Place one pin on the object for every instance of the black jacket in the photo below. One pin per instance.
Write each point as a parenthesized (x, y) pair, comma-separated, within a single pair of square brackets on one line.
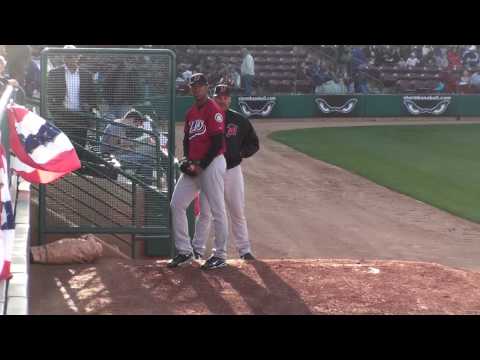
[(242, 140), (57, 89)]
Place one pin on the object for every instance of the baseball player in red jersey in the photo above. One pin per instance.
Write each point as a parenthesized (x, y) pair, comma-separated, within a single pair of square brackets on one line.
[(204, 170), (242, 142)]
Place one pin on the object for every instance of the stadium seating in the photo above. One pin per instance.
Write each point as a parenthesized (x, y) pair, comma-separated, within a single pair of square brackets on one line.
[(278, 67)]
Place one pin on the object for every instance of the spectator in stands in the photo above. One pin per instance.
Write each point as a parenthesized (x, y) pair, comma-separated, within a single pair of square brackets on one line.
[(428, 57), (230, 77), (402, 63), (471, 57), (349, 84), (465, 78), (418, 50), (453, 58), (247, 72), (33, 76), (360, 81), (181, 84), (464, 83), (71, 95), (4, 77), (413, 60), (370, 52), (126, 140), (344, 58), (187, 74), (358, 59), (405, 51), (450, 79), (18, 57), (475, 82), (321, 77), (440, 87), (427, 50), (235, 76), (391, 56), (441, 59)]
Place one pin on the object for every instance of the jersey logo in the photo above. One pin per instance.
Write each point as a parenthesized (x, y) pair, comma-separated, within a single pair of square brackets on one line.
[(326, 108), (433, 105), (232, 130), (218, 117), (262, 106), (197, 128)]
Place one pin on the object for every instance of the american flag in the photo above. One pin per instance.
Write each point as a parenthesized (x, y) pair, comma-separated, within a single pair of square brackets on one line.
[(42, 152)]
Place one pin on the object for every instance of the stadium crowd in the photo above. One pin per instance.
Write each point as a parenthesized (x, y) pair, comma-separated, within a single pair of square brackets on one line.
[(293, 69)]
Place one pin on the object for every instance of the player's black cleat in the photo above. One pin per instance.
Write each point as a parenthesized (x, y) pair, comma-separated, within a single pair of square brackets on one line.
[(214, 263), (197, 255), (247, 256), (180, 260)]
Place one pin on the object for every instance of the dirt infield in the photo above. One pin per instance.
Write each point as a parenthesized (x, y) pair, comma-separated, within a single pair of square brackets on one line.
[(267, 287), (297, 208)]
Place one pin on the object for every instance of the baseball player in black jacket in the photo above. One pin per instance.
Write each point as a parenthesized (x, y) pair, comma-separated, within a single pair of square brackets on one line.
[(242, 142)]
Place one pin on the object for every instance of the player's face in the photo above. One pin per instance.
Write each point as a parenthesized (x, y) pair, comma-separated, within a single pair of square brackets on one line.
[(199, 92), (223, 101)]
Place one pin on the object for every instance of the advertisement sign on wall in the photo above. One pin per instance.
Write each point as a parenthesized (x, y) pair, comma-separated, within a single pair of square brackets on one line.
[(427, 105), (338, 105), (256, 105)]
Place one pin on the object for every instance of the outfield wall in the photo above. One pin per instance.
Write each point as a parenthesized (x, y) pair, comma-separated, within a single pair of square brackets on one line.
[(311, 106)]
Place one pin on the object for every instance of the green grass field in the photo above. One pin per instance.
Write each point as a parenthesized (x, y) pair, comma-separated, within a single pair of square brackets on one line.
[(437, 164)]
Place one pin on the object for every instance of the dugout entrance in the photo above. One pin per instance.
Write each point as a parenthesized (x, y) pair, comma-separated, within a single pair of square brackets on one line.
[(123, 190)]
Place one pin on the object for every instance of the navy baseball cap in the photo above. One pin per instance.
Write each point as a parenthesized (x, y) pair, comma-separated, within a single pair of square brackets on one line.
[(198, 79), (222, 90)]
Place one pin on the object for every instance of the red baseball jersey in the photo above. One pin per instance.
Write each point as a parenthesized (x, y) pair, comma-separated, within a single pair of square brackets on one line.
[(200, 124)]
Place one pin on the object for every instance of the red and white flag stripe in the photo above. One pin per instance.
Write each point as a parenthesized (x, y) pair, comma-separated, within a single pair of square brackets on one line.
[(52, 155)]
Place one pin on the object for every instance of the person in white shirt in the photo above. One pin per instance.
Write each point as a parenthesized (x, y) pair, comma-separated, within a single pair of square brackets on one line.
[(247, 71), (412, 61), (71, 97), (187, 74)]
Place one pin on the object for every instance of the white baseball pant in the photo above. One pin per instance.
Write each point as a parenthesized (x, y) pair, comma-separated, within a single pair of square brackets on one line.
[(211, 183), (235, 201)]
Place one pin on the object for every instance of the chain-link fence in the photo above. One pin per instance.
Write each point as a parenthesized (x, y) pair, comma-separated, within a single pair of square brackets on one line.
[(116, 106)]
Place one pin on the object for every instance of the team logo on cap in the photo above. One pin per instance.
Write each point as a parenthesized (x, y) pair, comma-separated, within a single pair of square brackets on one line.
[(218, 117), (428, 105), (345, 108)]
